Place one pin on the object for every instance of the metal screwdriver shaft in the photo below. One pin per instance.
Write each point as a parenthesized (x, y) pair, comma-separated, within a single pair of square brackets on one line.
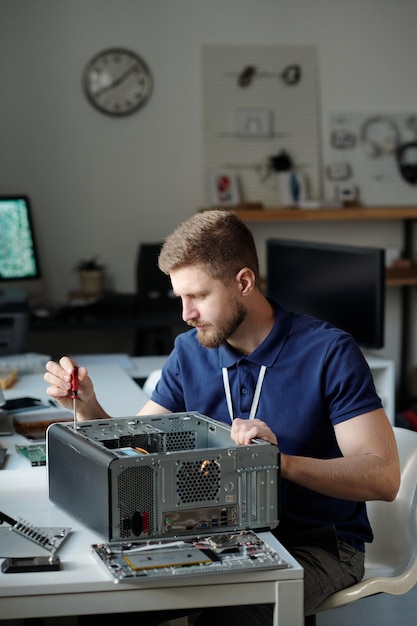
[(74, 393)]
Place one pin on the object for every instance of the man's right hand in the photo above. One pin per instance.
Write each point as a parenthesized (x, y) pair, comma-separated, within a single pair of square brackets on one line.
[(58, 376)]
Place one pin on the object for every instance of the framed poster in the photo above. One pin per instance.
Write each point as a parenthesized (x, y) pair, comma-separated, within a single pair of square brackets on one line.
[(224, 189)]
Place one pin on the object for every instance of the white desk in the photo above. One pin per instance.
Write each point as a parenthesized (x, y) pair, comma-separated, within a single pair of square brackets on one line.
[(82, 586), (135, 366), (117, 392)]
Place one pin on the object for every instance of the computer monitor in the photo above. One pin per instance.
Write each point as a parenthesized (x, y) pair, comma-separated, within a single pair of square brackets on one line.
[(18, 253), (341, 284)]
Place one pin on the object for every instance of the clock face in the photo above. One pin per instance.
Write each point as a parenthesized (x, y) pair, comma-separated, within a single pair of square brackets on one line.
[(117, 82)]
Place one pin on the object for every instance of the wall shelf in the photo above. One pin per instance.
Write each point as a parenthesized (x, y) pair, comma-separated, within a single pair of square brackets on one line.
[(358, 214), (404, 277), (394, 277)]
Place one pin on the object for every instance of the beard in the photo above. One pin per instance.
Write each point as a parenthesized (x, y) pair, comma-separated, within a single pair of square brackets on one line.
[(214, 337)]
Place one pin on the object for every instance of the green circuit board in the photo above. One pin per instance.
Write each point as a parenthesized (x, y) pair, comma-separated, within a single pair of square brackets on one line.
[(34, 452)]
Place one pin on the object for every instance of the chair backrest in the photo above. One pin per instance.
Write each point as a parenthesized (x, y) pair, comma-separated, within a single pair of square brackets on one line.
[(150, 383), (151, 283), (395, 523), (391, 560), (14, 328)]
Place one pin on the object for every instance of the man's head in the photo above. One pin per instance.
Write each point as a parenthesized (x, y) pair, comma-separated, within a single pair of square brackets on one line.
[(212, 262), (215, 240)]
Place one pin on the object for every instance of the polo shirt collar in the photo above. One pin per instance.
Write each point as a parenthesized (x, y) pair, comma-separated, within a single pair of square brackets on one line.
[(268, 351)]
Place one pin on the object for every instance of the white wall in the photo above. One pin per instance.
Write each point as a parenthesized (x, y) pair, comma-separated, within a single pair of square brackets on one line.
[(102, 185)]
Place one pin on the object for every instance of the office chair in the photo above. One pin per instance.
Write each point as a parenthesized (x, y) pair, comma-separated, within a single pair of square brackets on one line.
[(157, 310), (391, 560), (14, 325), (150, 382), (151, 283)]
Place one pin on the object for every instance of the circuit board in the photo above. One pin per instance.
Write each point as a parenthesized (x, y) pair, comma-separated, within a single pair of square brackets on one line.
[(34, 452), (241, 551)]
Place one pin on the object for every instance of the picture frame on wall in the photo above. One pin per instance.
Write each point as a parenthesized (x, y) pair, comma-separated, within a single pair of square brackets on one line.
[(224, 189)]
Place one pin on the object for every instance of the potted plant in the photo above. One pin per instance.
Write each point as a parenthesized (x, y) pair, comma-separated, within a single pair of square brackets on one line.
[(91, 274)]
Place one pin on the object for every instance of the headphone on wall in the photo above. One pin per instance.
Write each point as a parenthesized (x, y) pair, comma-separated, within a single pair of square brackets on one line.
[(390, 137), (408, 169)]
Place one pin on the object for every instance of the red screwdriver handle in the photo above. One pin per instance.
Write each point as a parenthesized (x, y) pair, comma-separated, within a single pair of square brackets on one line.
[(74, 383)]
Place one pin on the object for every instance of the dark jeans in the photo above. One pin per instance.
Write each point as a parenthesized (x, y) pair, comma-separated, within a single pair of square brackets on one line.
[(329, 565)]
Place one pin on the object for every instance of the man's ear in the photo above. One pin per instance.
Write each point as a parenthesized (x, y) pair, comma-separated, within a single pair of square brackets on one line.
[(246, 279)]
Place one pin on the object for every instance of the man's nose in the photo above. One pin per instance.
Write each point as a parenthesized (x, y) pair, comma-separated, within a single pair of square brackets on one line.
[(188, 311)]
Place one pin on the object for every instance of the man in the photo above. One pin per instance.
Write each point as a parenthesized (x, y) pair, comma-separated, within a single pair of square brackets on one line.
[(295, 381)]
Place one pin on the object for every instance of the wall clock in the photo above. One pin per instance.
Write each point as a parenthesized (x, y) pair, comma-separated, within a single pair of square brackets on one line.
[(117, 82)]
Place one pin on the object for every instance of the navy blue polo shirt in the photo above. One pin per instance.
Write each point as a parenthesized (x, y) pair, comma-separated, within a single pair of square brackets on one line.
[(316, 377)]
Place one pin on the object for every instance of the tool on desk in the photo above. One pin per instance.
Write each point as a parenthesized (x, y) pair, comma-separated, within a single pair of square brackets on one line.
[(48, 538), (74, 393), (17, 564), (26, 403)]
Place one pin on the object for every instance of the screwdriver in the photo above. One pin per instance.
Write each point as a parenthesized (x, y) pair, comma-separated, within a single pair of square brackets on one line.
[(74, 393)]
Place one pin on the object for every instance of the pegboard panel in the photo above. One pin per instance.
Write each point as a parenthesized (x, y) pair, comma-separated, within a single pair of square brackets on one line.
[(361, 149), (246, 124)]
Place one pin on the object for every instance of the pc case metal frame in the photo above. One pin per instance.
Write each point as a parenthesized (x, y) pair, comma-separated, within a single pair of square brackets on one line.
[(166, 475)]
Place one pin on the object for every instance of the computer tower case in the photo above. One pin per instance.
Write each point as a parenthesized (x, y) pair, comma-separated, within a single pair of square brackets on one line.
[(161, 475)]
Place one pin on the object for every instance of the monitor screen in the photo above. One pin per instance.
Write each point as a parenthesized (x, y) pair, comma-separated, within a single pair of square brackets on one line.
[(18, 255), (343, 285)]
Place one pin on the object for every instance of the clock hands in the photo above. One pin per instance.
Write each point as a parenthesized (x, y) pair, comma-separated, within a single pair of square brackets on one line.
[(118, 80)]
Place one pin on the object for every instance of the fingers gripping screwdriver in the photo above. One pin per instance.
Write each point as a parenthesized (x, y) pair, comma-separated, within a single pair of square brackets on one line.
[(74, 393)]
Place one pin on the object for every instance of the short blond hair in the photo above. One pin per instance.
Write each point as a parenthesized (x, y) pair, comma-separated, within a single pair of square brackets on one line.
[(216, 240)]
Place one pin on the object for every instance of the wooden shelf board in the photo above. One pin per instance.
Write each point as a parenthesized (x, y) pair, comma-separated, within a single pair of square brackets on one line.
[(395, 277), (401, 277), (342, 214)]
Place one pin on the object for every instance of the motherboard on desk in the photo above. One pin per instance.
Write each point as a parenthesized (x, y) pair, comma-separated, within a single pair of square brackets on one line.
[(218, 553)]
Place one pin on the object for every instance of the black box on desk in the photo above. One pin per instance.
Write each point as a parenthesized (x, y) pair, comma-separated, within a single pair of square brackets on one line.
[(161, 476)]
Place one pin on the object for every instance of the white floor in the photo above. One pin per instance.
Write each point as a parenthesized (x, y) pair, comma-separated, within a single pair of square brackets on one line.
[(379, 610)]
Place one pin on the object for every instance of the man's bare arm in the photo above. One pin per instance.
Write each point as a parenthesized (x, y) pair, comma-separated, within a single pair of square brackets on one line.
[(368, 470)]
